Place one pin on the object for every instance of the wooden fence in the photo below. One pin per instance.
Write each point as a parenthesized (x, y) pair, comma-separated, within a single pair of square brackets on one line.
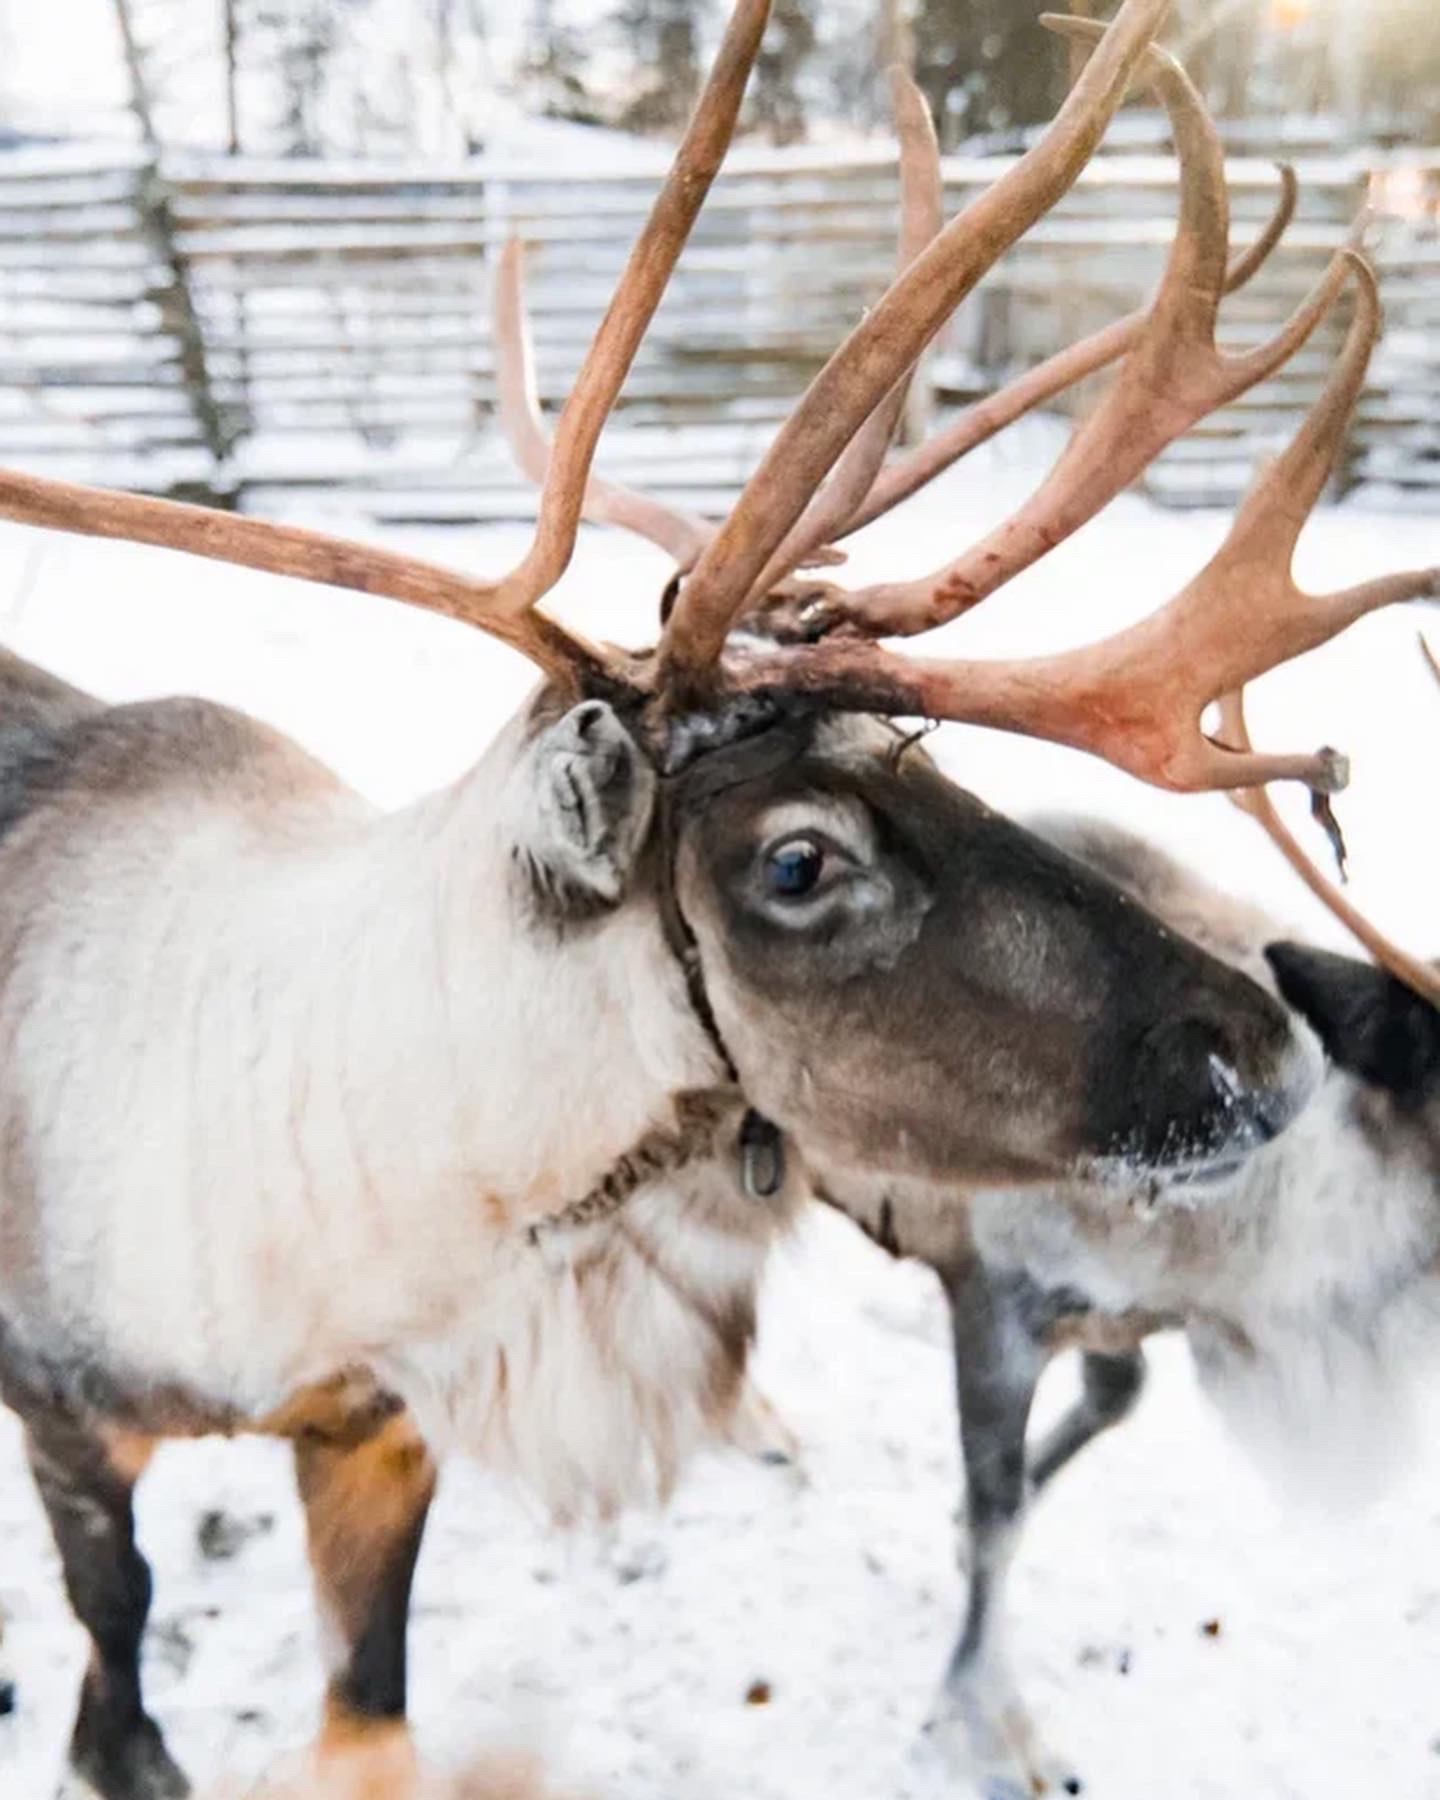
[(247, 328)]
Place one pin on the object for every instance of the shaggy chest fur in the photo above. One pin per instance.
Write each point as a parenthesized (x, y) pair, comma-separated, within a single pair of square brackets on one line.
[(287, 1092), (596, 1360)]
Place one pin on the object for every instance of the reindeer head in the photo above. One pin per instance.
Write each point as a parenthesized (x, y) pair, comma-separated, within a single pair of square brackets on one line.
[(896, 975)]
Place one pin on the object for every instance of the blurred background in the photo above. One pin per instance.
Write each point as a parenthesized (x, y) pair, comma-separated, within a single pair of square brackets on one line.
[(245, 245)]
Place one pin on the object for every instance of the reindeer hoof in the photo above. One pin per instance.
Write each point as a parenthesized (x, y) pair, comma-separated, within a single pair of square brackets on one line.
[(134, 1767), (994, 1753)]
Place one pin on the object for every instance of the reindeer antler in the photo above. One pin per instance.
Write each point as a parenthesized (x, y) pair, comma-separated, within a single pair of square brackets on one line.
[(507, 609), (831, 513), (681, 534), (1423, 977), (977, 424), (885, 346), (1173, 375), (1427, 650), (1137, 698)]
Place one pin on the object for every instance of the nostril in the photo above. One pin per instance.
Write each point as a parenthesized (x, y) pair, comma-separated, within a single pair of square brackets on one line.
[(1194, 1093)]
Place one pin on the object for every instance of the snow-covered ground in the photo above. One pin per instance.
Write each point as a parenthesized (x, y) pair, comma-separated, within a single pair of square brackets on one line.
[(630, 1662)]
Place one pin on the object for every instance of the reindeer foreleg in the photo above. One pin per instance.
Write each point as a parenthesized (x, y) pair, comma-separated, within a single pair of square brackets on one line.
[(365, 1510), (1002, 1325), (1110, 1389), (86, 1478)]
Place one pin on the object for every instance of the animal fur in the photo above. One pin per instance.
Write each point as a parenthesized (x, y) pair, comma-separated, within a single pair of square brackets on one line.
[(406, 1134), (1305, 1283), (389, 1769)]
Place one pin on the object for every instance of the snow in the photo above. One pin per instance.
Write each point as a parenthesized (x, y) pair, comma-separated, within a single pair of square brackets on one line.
[(628, 1661)]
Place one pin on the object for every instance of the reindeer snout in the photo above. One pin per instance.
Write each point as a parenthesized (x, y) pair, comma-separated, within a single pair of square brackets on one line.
[(1211, 1091)]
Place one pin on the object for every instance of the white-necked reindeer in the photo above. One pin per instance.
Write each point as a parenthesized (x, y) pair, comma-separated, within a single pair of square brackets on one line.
[(462, 1127), (1306, 1283)]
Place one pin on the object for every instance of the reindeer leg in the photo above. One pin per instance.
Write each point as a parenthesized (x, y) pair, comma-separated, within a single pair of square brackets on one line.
[(365, 1510), (1111, 1386), (87, 1480), (8, 1700), (1001, 1328)]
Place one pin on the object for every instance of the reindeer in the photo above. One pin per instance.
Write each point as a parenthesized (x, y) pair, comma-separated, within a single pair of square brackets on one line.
[(1306, 1286), (468, 1127)]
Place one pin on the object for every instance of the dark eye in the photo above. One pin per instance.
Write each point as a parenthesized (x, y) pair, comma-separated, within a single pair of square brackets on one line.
[(793, 869)]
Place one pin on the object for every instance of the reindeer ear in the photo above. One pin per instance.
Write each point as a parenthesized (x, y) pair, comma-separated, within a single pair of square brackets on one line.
[(594, 805), (1369, 1023)]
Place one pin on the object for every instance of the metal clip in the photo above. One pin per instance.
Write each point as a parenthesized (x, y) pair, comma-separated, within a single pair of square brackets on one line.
[(762, 1157)]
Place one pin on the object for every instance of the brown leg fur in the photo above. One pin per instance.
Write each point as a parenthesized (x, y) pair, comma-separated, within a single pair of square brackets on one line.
[(86, 1478), (365, 1508)]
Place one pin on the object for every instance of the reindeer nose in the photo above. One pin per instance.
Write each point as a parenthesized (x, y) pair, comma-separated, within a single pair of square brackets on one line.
[(1257, 1114), (1204, 1092)]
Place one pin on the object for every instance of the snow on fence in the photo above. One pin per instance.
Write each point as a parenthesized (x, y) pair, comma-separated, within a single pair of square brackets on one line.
[(236, 326)]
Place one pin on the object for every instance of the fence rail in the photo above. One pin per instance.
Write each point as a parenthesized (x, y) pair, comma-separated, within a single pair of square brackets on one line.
[(251, 328)]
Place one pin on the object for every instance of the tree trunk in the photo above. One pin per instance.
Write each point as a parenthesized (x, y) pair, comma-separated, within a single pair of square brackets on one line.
[(232, 77)]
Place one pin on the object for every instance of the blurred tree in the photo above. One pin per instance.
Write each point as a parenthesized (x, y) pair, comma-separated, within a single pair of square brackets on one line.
[(297, 40), (776, 101), (1401, 57), (985, 66), (662, 42), (555, 67)]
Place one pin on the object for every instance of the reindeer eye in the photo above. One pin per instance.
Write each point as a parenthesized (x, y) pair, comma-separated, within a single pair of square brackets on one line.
[(793, 869)]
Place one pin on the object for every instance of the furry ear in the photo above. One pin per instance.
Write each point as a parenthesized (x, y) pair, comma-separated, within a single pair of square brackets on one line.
[(1369, 1023), (593, 798)]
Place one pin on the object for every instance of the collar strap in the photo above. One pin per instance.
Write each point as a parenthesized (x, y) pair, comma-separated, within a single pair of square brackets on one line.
[(699, 1114), (681, 938)]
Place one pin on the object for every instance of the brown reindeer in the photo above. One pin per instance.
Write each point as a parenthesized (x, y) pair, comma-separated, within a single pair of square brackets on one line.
[(468, 1127)]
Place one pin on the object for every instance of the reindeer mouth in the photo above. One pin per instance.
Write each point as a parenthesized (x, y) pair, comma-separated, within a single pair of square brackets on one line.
[(1185, 1165)]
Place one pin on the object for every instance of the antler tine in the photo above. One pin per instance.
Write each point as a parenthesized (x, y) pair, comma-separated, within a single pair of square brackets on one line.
[(677, 532), (1173, 375), (830, 514), (631, 309), (886, 344), (1137, 698), (1424, 979), (1036, 387), (505, 609), (1279, 621), (289, 550)]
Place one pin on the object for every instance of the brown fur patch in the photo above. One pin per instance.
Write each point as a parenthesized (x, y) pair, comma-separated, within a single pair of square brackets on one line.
[(348, 1409), (365, 1507), (381, 1764), (129, 1452)]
